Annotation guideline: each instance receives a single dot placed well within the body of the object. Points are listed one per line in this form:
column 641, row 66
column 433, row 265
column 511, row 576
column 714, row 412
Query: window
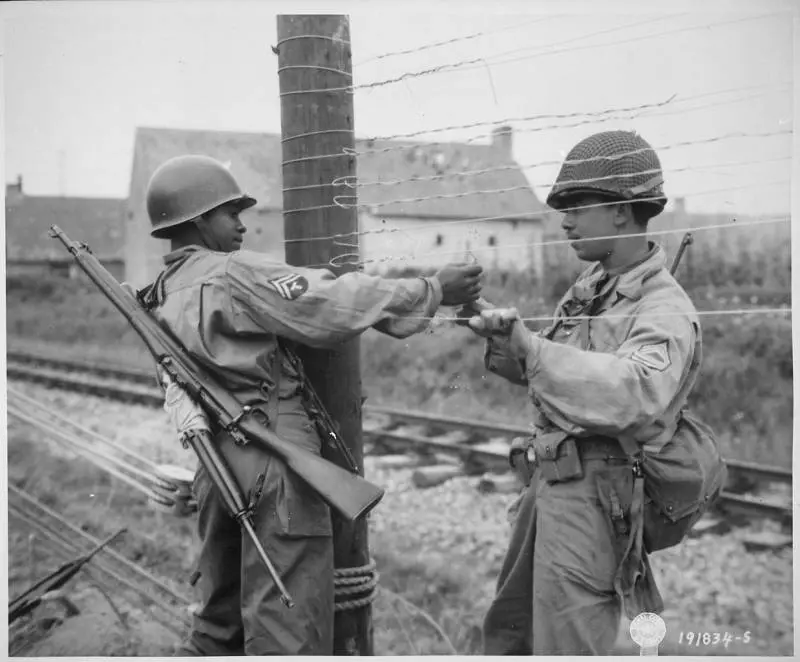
column 492, row 241
column 439, row 240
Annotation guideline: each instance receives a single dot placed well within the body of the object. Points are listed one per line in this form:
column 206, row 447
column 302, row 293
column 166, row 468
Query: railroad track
column 438, row 447
column 112, row 573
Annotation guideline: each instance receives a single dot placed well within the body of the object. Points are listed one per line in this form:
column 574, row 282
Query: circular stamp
column 648, row 629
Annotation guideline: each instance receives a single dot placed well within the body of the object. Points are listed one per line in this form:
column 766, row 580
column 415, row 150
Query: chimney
column 502, row 138
column 14, row 191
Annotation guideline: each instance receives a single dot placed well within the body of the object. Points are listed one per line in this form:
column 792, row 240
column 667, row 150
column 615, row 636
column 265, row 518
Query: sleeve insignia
column 290, row 286
column 655, row 356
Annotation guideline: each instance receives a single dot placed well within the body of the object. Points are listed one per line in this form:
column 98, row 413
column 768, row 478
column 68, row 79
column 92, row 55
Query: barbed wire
column 447, row 42
column 466, row 65
column 351, row 88
column 337, row 261
column 702, row 313
column 339, row 181
column 592, row 118
column 349, row 182
column 337, row 200
column 505, row 216
column 482, row 61
column 354, row 152
column 595, row 115
column 550, row 116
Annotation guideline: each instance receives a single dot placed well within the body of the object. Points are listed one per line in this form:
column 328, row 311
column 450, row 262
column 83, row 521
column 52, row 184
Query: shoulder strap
column 274, row 401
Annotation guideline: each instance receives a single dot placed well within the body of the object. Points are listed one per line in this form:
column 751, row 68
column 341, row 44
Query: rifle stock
column 347, row 493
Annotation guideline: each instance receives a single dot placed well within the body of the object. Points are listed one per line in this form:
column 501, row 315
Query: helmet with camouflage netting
column 616, row 165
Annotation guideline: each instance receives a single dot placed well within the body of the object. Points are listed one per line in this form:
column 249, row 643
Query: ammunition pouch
column 522, row 460
column 557, row 457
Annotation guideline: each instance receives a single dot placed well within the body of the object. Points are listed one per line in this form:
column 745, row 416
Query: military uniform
column 612, row 374
column 628, row 371
column 228, row 310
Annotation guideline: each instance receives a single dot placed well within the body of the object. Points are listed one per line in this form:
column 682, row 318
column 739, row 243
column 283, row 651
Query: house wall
column 502, row 245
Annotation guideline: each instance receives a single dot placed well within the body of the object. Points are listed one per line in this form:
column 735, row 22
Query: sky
column 78, row 78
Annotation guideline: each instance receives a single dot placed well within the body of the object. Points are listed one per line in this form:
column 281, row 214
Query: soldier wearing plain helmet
column 233, row 309
column 609, row 377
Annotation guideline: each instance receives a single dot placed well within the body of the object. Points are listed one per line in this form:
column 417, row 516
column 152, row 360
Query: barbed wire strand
column 614, row 157
column 438, row 44
column 349, row 182
column 443, row 67
column 427, row 145
column 510, row 216
column 549, row 116
column 414, row 146
column 311, row 36
column 315, row 133
column 671, row 313
column 317, row 67
column 469, row 64
column 337, row 199
column 594, row 118
column 466, row 65
column 335, row 262
column 455, row 65
column 355, row 152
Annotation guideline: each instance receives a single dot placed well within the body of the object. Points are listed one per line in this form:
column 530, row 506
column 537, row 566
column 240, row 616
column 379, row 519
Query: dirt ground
column 96, row 631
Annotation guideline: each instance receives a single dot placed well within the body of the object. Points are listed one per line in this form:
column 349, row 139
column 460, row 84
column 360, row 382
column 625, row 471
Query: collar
column 181, row 253
column 629, row 283
column 628, row 280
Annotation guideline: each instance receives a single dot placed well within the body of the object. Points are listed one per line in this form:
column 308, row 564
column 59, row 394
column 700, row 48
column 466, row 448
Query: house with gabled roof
column 422, row 204
column 98, row 222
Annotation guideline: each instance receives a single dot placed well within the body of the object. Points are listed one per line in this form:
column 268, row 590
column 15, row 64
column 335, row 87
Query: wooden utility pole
column 314, row 54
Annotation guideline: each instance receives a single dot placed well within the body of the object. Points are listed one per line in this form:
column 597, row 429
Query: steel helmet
column 184, row 187
column 619, row 165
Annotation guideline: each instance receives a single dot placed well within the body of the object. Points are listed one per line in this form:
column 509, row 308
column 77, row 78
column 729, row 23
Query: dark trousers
column 240, row 611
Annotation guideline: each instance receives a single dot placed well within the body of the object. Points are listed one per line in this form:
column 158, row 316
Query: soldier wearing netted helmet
column 234, row 310
column 609, row 377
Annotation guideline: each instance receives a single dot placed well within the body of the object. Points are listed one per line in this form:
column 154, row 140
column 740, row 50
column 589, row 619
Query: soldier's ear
column 623, row 214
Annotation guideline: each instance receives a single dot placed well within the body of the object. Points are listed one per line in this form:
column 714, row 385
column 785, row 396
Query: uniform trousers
column 240, row 612
column 555, row 593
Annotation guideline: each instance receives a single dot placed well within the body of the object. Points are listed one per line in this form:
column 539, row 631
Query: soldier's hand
column 494, row 321
column 469, row 310
column 460, row 283
column 504, row 322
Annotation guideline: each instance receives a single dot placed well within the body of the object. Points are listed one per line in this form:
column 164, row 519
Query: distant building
column 449, row 176
column 98, row 222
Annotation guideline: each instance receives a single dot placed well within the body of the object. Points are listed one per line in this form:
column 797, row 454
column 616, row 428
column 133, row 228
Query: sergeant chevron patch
column 655, row 356
column 290, row 286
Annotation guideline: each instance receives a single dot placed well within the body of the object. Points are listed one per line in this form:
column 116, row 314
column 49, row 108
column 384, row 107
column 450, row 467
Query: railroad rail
column 465, row 446
column 111, row 572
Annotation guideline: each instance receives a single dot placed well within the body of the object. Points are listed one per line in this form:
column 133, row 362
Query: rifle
column 346, row 492
column 685, row 243
column 33, row 597
column 326, row 427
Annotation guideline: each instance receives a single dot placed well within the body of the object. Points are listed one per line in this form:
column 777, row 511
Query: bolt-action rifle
column 34, row 596
column 345, row 491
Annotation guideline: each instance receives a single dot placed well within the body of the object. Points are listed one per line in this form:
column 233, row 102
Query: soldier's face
column 222, row 229
column 583, row 226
